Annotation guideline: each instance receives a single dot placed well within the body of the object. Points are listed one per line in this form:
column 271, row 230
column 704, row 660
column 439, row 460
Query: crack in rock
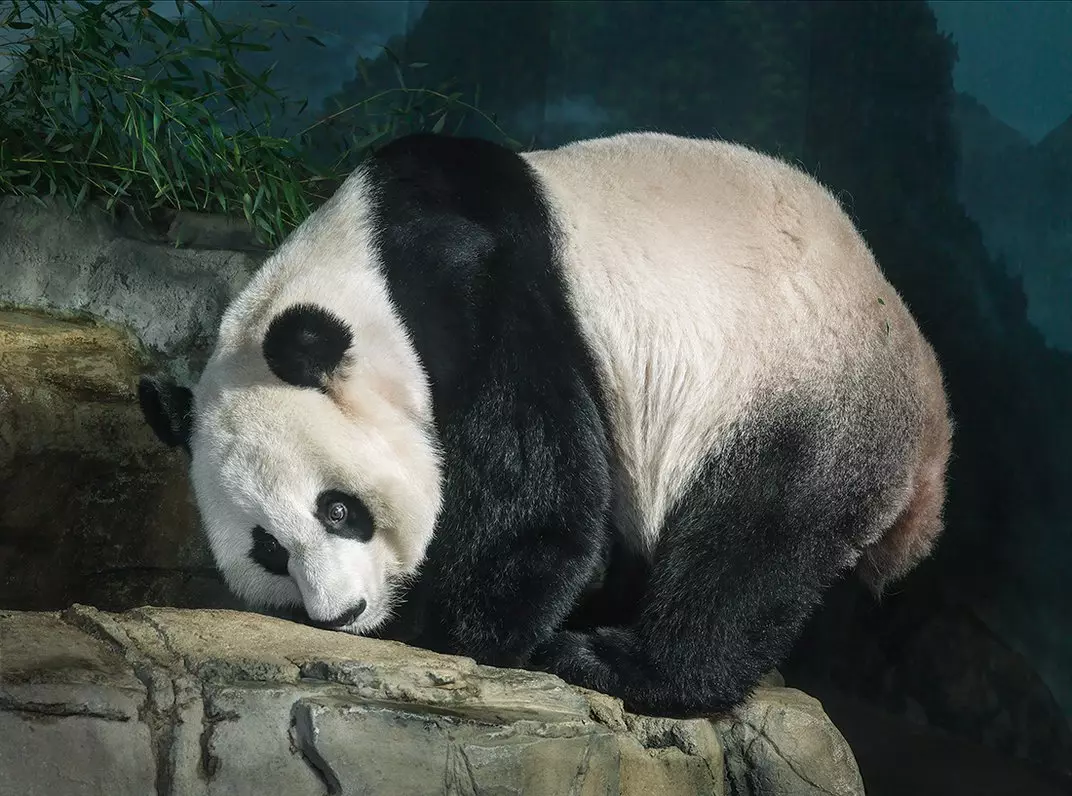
column 458, row 775
column 163, row 716
column 60, row 710
column 577, row 786
column 211, row 718
column 155, row 713
column 742, row 755
column 159, row 711
column 304, row 734
column 163, row 680
column 785, row 759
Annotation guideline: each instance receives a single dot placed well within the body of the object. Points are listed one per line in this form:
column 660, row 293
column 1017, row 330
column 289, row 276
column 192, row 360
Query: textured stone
column 69, row 712
column 44, row 755
column 89, row 498
column 781, row 743
column 224, row 702
column 170, row 297
column 383, row 749
column 92, row 507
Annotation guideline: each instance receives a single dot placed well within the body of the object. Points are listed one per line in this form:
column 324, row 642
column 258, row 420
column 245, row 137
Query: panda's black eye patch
column 345, row 515
column 267, row 552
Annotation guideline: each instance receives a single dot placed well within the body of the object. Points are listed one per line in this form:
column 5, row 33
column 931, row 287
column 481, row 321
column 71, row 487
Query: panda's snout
column 343, row 619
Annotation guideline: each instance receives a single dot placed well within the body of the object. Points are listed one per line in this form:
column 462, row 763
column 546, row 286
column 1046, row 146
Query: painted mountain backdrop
column 1021, row 196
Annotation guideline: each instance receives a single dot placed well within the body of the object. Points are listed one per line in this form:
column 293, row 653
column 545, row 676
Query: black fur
column 304, row 345
column 168, row 409
column 268, row 553
column 468, row 248
column 741, row 563
column 469, row 251
column 614, row 598
column 356, row 524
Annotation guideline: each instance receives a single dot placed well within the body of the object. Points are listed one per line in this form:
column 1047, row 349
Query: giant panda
column 473, row 375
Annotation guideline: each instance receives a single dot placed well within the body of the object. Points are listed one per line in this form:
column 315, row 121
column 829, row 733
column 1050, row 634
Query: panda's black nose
column 343, row 619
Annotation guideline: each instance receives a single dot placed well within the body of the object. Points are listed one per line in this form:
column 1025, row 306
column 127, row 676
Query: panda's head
column 312, row 462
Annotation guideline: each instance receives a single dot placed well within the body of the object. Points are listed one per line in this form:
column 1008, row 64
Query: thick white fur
column 704, row 274
column 263, row 450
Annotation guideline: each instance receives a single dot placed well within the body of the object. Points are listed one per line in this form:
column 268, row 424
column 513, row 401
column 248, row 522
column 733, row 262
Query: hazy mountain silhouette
column 1021, row 196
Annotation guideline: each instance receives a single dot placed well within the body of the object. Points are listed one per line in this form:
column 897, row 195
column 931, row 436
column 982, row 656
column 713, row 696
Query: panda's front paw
column 555, row 654
column 598, row 660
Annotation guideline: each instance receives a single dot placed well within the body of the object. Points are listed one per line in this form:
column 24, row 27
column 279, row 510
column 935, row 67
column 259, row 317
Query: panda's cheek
column 285, row 592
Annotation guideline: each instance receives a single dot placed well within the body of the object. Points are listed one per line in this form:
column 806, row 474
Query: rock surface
column 767, row 737
column 170, row 297
column 211, row 702
column 92, row 506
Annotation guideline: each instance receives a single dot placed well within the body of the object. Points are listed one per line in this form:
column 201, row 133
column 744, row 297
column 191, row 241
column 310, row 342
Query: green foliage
column 112, row 102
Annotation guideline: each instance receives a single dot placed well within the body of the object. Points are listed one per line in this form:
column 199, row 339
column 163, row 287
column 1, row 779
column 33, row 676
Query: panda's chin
column 371, row 620
column 377, row 617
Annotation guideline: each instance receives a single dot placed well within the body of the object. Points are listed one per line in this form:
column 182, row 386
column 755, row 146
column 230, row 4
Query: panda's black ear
column 168, row 409
column 304, row 345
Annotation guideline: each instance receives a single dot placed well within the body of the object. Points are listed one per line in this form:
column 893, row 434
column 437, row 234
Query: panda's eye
column 337, row 512
column 345, row 515
column 267, row 552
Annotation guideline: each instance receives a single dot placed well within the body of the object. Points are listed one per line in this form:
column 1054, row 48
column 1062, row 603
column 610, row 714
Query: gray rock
column 223, row 702
column 781, row 743
column 89, row 498
column 69, row 713
column 171, row 297
column 92, row 506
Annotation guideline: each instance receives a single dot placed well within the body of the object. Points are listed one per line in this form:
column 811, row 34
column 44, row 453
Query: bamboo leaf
column 118, row 103
column 74, row 95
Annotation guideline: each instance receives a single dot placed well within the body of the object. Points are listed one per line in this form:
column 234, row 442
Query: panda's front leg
column 498, row 605
column 520, row 535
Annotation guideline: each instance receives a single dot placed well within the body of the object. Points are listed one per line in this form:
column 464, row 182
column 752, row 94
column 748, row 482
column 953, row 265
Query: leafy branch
column 114, row 103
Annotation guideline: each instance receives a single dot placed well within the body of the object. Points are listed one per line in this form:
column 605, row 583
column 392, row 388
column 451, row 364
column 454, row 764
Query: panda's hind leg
column 743, row 559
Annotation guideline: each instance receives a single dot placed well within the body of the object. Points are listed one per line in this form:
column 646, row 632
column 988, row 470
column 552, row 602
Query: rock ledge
column 177, row 701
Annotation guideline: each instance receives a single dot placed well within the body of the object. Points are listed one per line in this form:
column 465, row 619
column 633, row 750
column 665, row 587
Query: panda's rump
column 713, row 285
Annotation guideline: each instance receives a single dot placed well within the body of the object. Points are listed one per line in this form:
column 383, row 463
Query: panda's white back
column 702, row 273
